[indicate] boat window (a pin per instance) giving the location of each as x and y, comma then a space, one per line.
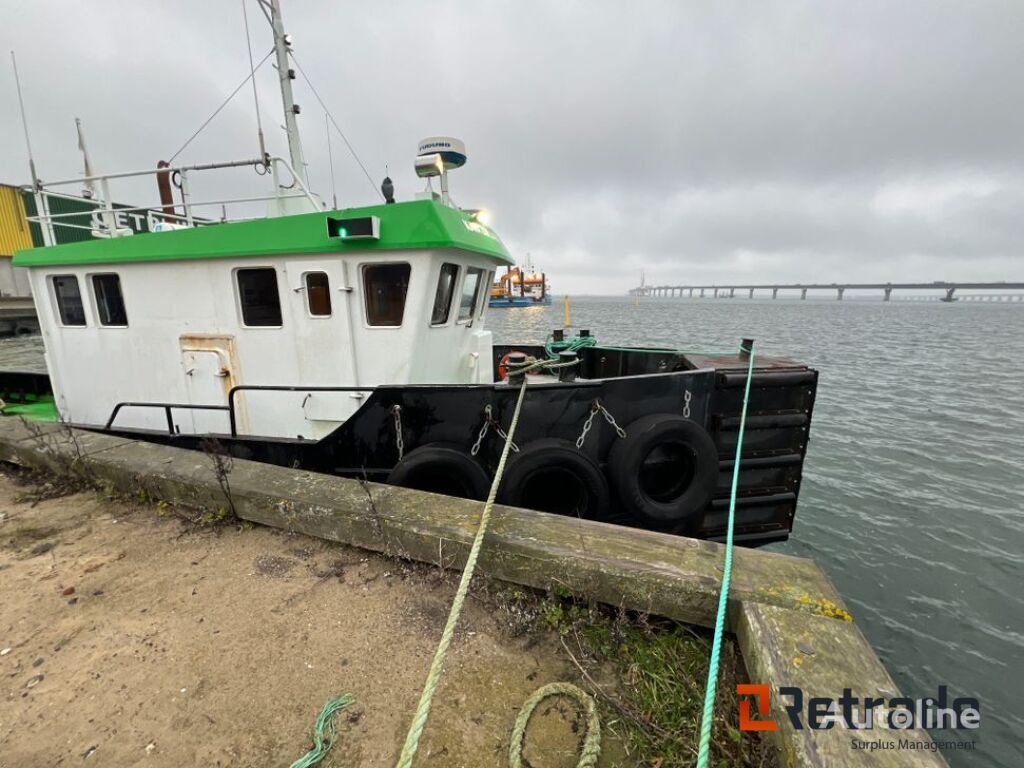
470, 292
444, 295
385, 287
69, 299
485, 294
318, 294
109, 300
258, 296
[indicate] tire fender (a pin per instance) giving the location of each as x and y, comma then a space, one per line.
696, 455
441, 468
532, 480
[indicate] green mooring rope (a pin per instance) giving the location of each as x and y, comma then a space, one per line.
591, 741
419, 720
324, 732
574, 344
703, 753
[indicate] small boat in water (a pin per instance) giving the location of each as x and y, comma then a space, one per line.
353, 342
520, 287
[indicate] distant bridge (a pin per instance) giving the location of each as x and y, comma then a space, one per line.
729, 291
997, 297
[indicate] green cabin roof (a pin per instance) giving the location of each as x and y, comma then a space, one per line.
414, 224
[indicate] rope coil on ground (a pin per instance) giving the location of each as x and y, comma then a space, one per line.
592, 739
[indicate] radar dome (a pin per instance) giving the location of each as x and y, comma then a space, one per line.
451, 150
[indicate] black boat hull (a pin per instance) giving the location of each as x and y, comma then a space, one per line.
628, 384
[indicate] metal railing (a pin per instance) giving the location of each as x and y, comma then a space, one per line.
109, 212
230, 407
278, 388
167, 408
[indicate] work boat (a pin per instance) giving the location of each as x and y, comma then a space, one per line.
353, 342
520, 288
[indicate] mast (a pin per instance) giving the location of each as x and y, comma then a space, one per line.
90, 185
24, 123
89, 191
285, 74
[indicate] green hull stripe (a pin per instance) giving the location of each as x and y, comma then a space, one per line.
417, 224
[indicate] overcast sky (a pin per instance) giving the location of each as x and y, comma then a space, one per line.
769, 141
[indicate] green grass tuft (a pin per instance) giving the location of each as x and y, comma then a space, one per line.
655, 701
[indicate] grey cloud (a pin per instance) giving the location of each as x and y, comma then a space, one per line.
775, 140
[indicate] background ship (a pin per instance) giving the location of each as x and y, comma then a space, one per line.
521, 287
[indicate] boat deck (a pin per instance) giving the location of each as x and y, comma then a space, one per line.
739, 362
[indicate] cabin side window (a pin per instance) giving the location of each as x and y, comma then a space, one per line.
485, 294
384, 288
470, 293
69, 300
444, 294
318, 294
109, 300
258, 296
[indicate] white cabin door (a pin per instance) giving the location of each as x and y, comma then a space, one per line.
210, 370
320, 314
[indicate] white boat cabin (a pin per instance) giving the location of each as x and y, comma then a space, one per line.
390, 294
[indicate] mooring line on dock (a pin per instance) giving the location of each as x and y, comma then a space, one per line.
324, 730
703, 753
592, 741
434, 675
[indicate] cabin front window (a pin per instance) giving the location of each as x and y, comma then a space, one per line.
69, 300
385, 287
470, 293
318, 294
444, 295
258, 297
109, 300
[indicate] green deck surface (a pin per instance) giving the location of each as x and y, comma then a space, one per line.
41, 409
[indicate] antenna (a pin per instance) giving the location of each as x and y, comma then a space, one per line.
109, 228
36, 184
330, 159
252, 76
90, 185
